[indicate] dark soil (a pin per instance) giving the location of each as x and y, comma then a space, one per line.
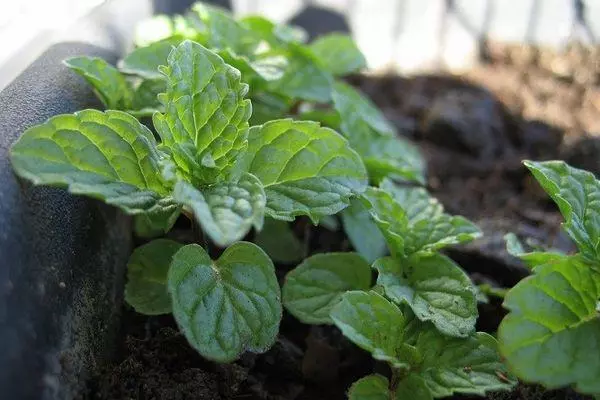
474, 130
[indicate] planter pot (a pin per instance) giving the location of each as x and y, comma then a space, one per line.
63, 257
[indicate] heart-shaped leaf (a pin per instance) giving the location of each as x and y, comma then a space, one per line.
227, 306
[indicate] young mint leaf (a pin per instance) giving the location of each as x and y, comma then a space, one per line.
145, 97
144, 61
553, 328
372, 323
315, 286
205, 123
392, 157
226, 211
362, 231
577, 194
147, 269
455, 365
110, 86
276, 35
279, 242
338, 54
425, 229
149, 225
435, 288
371, 387
110, 156
305, 169
357, 111
256, 70
227, 306
389, 217
374, 137
304, 78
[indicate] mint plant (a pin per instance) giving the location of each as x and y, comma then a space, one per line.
551, 335
420, 315
210, 165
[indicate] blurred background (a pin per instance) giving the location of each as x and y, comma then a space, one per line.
408, 35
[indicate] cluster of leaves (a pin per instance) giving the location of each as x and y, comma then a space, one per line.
420, 314
552, 333
246, 118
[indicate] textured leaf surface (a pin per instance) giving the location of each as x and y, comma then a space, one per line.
304, 78
435, 288
226, 211
362, 231
371, 387
412, 387
227, 306
552, 333
109, 156
455, 365
338, 54
315, 286
424, 229
305, 169
110, 85
577, 194
372, 323
206, 117
147, 269
278, 240
144, 61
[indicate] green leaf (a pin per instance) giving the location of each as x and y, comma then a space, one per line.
304, 78
577, 194
435, 288
110, 86
267, 106
279, 242
392, 157
227, 306
326, 117
412, 387
358, 112
552, 333
312, 289
144, 61
147, 269
223, 31
226, 211
149, 225
338, 54
109, 156
257, 71
427, 228
389, 217
372, 323
374, 137
362, 231
305, 169
161, 27
206, 117
145, 97
371, 387
531, 259
455, 365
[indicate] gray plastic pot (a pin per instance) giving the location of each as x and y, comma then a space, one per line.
62, 257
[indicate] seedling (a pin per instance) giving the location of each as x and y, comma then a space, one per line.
420, 315
232, 103
552, 333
